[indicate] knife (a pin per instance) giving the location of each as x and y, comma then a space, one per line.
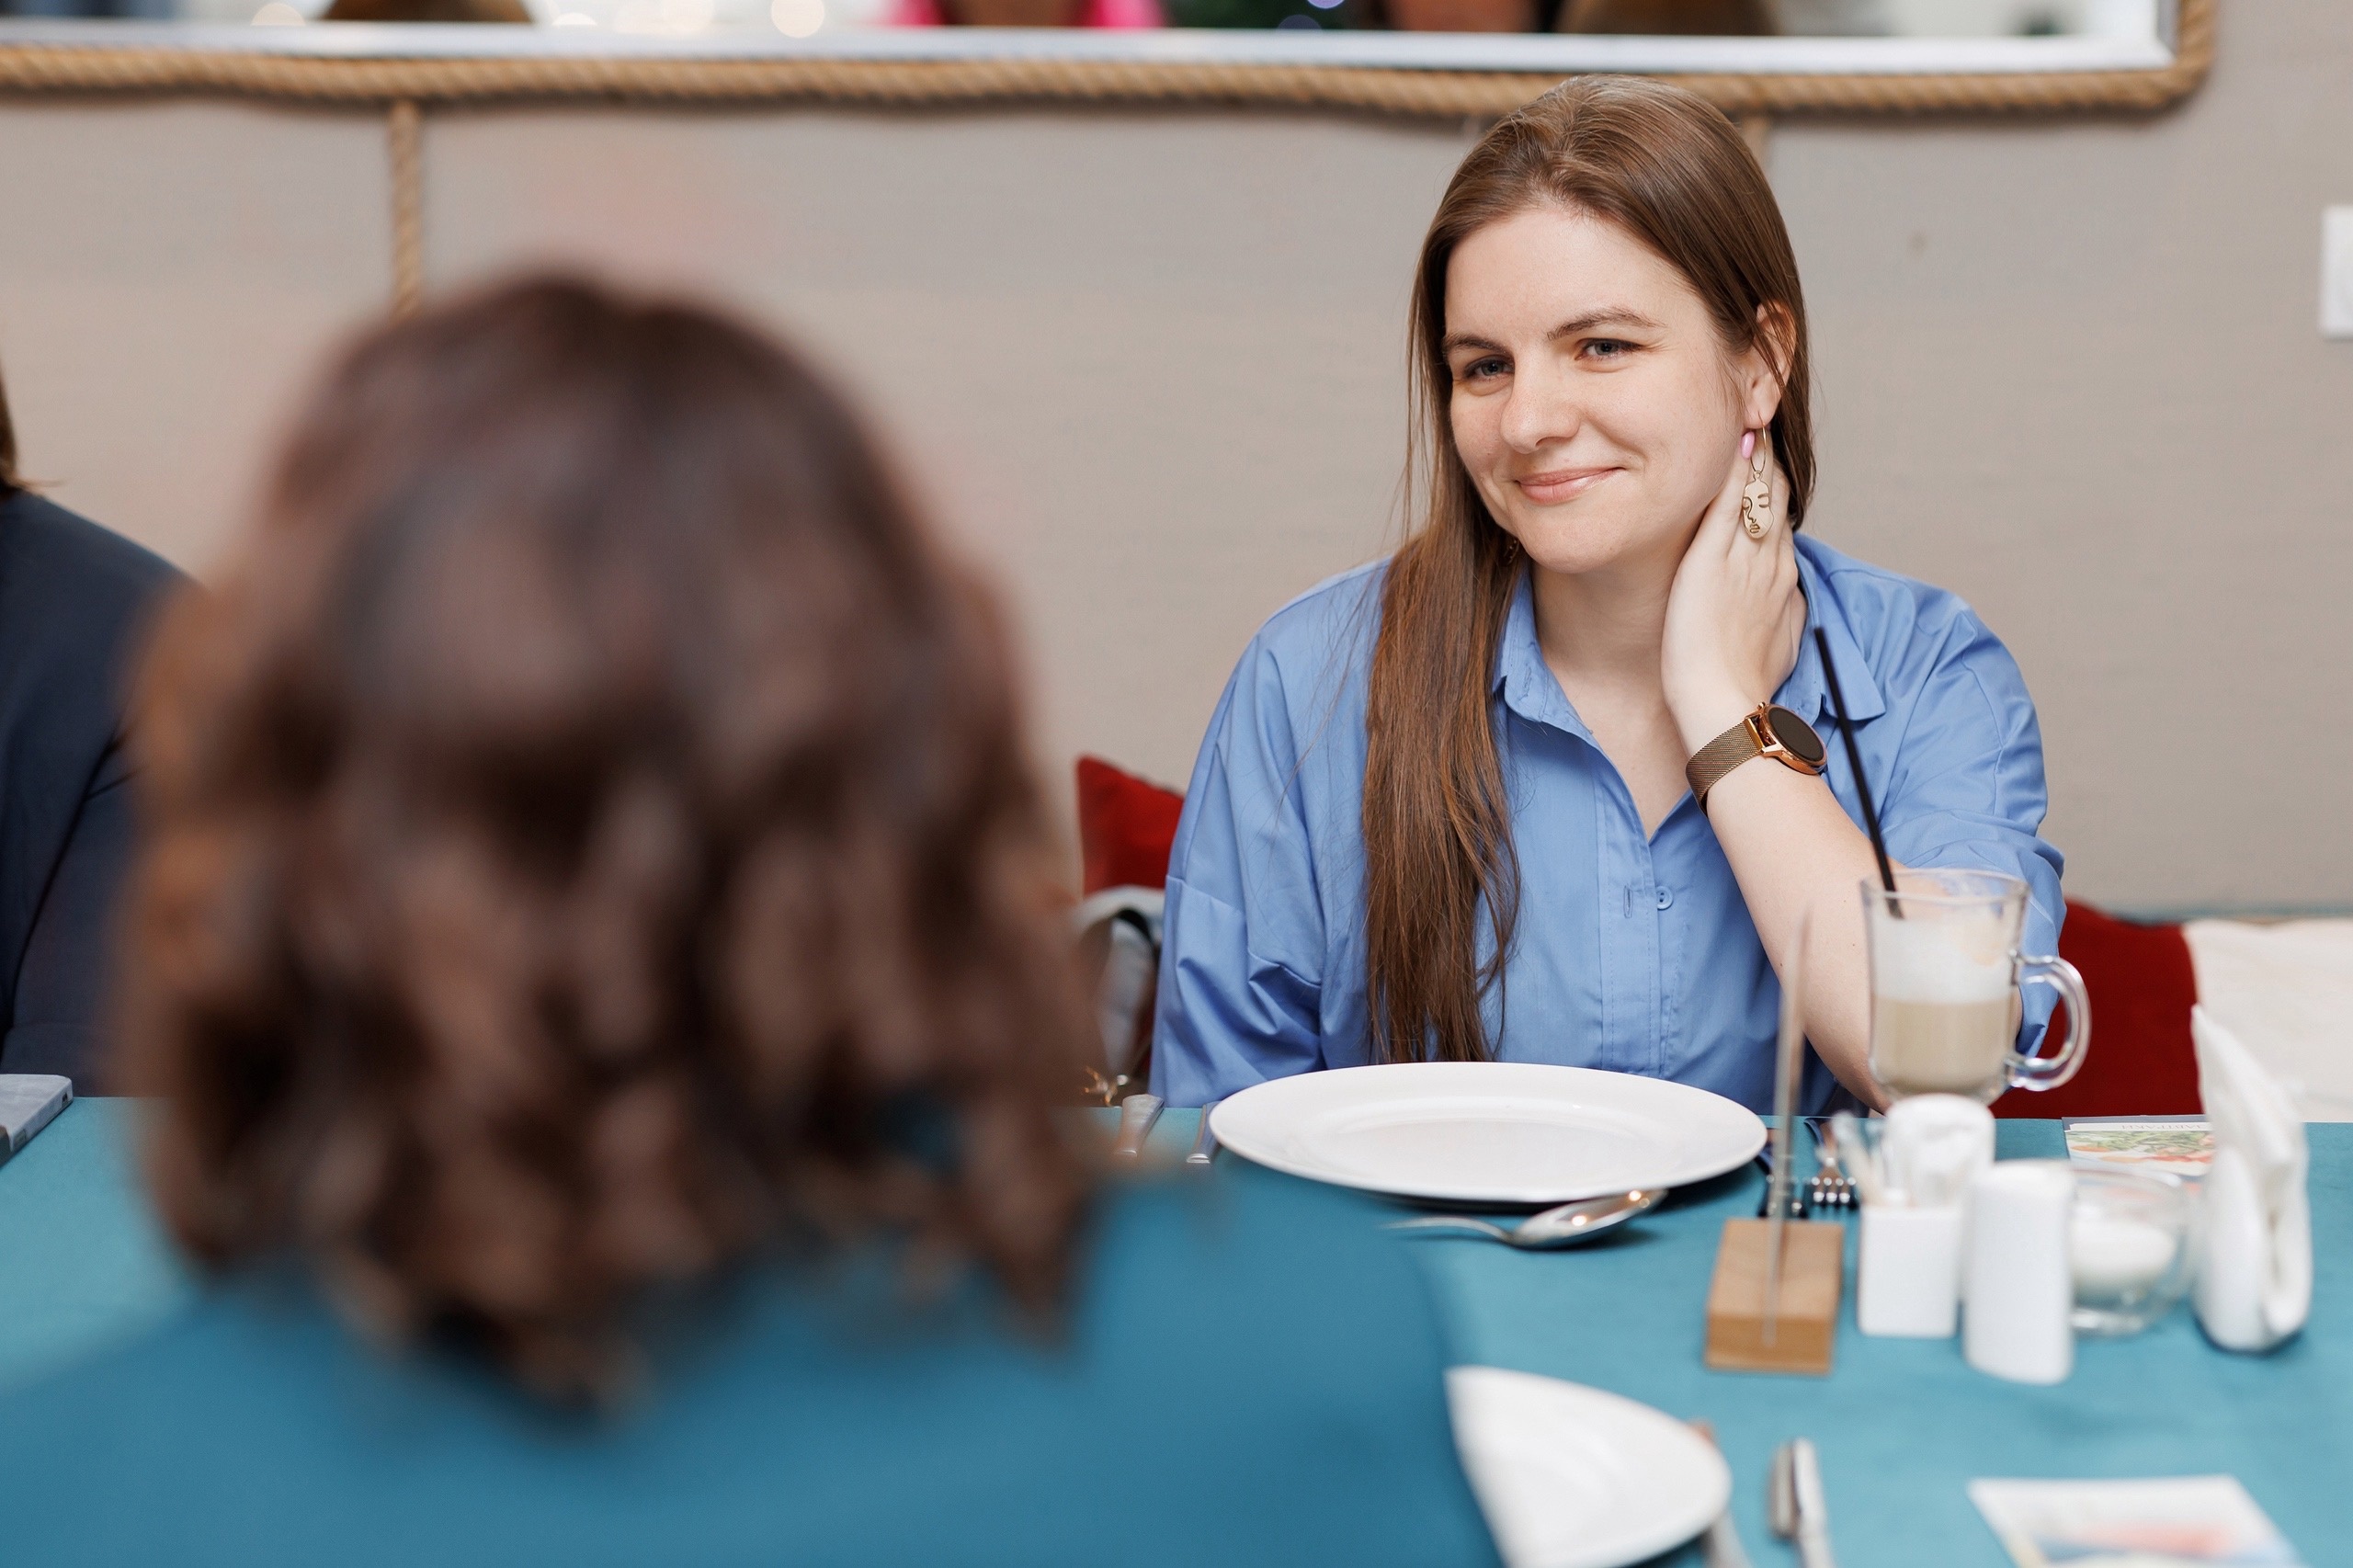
1205, 1141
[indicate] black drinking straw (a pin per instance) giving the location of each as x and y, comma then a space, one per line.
1855, 761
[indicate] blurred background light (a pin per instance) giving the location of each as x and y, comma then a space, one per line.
797, 18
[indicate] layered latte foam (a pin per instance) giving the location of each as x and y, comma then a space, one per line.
1940, 1005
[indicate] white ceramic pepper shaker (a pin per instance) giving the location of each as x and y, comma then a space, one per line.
2019, 1287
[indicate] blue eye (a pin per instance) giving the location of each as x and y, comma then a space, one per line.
1479, 370
1609, 347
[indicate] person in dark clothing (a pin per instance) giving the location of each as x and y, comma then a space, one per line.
72, 600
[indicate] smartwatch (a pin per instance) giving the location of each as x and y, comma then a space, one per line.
1771, 731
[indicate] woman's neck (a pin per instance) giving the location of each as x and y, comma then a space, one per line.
1603, 629
1602, 634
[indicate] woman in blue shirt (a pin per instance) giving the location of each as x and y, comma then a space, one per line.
1443, 807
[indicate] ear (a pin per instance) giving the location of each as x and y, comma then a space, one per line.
1765, 369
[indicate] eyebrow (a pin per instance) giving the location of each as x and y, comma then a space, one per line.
1612, 315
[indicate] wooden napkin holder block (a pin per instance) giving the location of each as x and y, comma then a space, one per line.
1805, 1330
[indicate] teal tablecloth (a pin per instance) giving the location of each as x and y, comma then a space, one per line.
1902, 1424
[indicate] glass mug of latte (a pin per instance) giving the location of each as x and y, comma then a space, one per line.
1945, 976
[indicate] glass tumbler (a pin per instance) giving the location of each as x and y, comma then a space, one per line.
2128, 1248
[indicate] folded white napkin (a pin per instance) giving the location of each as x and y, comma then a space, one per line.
2286, 990
28, 1102
2255, 1270
1934, 1144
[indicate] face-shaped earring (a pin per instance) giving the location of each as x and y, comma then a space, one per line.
1757, 495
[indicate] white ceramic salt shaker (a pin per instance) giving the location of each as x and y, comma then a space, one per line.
2019, 1283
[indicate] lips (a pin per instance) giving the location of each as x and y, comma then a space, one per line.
1562, 484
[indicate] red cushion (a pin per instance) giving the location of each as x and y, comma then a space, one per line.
1126, 826
2142, 987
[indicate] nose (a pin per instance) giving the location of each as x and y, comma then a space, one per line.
1541, 409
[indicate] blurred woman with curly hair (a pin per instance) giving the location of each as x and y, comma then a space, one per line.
598, 962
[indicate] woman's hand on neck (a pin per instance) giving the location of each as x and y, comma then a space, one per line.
1735, 612
1601, 633
1707, 621
1660, 650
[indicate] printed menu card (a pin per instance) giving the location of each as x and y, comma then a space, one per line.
2189, 1521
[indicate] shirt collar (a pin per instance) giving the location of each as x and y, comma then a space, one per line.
1530, 689
1529, 686
1806, 693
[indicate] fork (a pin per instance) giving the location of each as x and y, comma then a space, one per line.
1828, 1188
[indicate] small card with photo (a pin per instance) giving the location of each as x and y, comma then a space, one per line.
2189, 1521
2174, 1145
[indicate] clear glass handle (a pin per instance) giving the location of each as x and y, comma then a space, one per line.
2040, 1072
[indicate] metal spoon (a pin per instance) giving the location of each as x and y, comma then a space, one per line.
1561, 1227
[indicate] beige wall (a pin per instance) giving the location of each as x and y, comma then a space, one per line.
1148, 365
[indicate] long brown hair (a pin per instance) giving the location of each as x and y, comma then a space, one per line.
1672, 171
592, 843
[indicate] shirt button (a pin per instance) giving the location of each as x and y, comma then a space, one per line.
1665, 898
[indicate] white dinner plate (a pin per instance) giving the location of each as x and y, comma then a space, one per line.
1571, 1477
1507, 1133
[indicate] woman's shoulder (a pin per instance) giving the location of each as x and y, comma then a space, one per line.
63, 552
1872, 596
1901, 624
1275, 1314
1309, 664
1336, 620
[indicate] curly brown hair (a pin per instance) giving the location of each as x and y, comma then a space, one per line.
592, 843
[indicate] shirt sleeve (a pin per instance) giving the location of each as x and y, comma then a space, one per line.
1968, 792
1242, 954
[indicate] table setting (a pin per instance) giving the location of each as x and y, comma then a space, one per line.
1901, 1427
1595, 1431
2045, 1355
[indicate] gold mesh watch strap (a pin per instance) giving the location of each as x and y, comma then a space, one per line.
1720, 757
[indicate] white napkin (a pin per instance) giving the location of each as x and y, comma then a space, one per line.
1934, 1144
28, 1102
2254, 1271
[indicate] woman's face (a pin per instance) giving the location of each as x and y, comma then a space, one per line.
1593, 403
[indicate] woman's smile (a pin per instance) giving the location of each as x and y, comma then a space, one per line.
1556, 485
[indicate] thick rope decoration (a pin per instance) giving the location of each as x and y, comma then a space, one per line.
44, 68
404, 149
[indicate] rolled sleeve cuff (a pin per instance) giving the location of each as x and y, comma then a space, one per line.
1227, 1019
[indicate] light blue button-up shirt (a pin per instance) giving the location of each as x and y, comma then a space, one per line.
1634, 952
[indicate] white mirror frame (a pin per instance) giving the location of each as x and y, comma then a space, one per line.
1403, 73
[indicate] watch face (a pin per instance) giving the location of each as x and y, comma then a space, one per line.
1796, 735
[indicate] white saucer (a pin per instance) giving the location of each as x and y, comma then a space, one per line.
1571, 1477
1502, 1132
